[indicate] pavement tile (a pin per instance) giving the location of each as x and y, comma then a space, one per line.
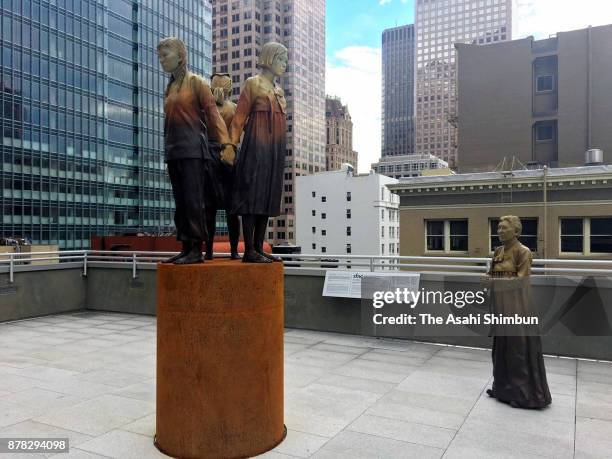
300, 444
593, 438
348, 444
99, 415
123, 444
411, 432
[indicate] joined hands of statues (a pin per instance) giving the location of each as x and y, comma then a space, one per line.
228, 154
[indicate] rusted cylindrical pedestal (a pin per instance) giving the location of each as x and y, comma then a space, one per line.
219, 359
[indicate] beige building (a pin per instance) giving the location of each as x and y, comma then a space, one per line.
439, 25
543, 101
457, 215
339, 146
240, 28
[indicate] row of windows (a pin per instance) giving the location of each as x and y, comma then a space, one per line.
587, 236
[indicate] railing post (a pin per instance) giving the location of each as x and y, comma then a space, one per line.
85, 263
371, 264
134, 275
11, 267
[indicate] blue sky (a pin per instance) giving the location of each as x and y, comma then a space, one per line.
361, 22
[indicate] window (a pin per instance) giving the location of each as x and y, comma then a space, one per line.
382, 231
323, 198
348, 230
314, 246
348, 213
529, 235
314, 195
314, 212
323, 249
314, 229
544, 83
586, 235
435, 235
348, 248
572, 235
600, 237
323, 215
323, 232
446, 235
348, 195
544, 132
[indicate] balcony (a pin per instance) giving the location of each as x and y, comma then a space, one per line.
77, 361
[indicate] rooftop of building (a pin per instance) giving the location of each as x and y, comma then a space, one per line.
417, 157
551, 40
603, 172
334, 108
90, 377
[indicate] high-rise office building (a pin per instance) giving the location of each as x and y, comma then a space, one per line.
439, 25
398, 45
82, 115
240, 28
339, 148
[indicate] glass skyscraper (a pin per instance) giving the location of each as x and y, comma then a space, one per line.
398, 47
82, 115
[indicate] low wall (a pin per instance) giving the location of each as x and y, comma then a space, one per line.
305, 308
38, 292
114, 289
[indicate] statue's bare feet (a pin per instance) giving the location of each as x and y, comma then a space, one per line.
253, 257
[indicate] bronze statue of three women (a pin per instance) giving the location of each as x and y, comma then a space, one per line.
519, 375
201, 134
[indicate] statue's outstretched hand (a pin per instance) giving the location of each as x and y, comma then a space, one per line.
228, 154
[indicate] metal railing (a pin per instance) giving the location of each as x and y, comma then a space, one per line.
85, 259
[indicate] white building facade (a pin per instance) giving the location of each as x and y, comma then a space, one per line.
341, 213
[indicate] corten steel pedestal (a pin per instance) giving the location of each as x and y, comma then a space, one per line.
219, 359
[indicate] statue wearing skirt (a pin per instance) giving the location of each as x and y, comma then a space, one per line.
518, 363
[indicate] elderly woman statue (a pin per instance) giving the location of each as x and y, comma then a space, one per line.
519, 375
191, 118
258, 183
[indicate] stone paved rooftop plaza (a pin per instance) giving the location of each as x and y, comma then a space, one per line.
91, 377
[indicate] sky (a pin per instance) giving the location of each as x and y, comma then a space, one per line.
353, 50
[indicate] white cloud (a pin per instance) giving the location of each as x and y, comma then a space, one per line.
542, 18
355, 77
383, 2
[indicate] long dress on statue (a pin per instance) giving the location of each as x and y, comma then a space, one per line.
258, 183
518, 364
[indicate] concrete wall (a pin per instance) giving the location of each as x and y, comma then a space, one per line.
601, 81
494, 103
306, 309
41, 292
113, 289
498, 105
